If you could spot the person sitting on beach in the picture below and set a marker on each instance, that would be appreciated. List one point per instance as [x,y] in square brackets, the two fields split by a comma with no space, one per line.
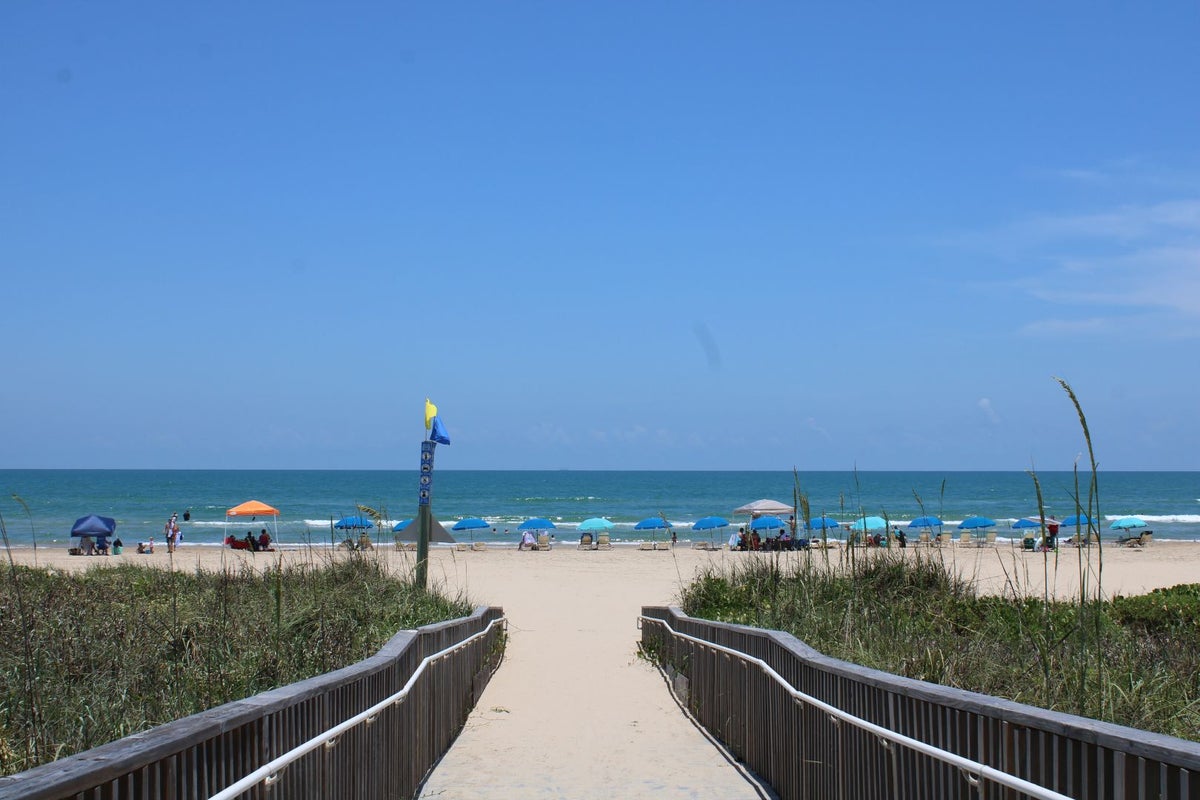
[264,540]
[141,548]
[755,541]
[527,539]
[249,540]
[101,545]
[87,545]
[117,545]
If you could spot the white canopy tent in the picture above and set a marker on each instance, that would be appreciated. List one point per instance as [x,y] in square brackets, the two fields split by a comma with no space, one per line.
[762,508]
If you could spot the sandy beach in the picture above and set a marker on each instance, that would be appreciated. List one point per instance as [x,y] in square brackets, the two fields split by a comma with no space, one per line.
[573,712]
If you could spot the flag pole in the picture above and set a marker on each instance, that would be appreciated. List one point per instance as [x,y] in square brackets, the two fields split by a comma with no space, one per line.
[435,433]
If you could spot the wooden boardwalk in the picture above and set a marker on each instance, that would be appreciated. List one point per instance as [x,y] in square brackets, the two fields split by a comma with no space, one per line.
[569,715]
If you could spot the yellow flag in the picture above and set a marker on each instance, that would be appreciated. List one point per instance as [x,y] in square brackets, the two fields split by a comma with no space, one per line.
[430,413]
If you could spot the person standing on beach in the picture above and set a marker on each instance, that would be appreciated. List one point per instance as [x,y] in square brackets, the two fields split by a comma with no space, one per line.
[171,532]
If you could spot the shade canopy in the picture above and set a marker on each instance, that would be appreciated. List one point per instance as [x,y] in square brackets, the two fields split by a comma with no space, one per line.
[767,523]
[536,524]
[1125,523]
[595,524]
[93,525]
[1027,522]
[760,508]
[652,524]
[471,524]
[412,530]
[353,523]
[869,524]
[709,523]
[252,508]
[925,522]
[973,523]
[822,522]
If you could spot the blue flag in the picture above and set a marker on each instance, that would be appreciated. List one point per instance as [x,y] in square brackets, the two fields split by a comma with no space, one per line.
[438,432]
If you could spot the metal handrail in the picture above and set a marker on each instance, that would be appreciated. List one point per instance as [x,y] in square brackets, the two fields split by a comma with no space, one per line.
[269,771]
[973,769]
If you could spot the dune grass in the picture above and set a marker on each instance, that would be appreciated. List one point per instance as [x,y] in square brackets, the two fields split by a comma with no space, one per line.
[117,650]
[914,616]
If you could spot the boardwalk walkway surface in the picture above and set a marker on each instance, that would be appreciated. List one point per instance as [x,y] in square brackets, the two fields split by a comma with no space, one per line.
[573,712]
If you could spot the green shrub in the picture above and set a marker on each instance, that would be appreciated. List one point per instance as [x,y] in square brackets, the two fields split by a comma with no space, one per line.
[116,650]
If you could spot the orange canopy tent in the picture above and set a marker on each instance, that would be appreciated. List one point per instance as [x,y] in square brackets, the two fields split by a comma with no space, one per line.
[253,509]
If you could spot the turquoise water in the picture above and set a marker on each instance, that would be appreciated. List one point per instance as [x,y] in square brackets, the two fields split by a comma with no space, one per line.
[309,500]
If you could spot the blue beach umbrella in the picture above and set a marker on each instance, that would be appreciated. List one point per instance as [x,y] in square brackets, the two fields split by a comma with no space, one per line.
[974,523]
[1076,519]
[1125,523]
[1027,522]
[536,524]
[710,524]
[869,524]
[353,523]
[595,524]
[471,524]
[925,522]
[767,524]
[822,522]
[402,524]
[652,524]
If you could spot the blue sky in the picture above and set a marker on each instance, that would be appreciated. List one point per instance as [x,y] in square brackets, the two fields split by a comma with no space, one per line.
[678,235]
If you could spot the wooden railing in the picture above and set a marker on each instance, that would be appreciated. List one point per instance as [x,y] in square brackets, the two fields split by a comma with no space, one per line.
[387,756]
[806,753]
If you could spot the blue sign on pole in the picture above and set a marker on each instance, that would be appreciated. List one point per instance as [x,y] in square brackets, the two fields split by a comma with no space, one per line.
[426,482]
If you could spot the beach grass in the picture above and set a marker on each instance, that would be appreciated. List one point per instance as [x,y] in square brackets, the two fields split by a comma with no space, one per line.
[116,650]
[916,616]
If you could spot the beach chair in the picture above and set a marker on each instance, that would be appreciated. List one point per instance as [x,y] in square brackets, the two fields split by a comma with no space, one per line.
[988,541]
[943,539]
[924,540]
[603,542]
[662,545]
[543,542]
[646,546]
[585,542]
[460,547]
[964,539]
[1140,540]
[478,546]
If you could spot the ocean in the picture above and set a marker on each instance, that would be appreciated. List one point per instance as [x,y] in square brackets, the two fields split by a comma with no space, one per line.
[41,505]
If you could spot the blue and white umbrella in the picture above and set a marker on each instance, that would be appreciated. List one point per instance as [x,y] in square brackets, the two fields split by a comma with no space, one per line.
[402,524]
[1027,522]
[1075,519]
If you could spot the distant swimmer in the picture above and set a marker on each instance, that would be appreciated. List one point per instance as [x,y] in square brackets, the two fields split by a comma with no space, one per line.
[187,515]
